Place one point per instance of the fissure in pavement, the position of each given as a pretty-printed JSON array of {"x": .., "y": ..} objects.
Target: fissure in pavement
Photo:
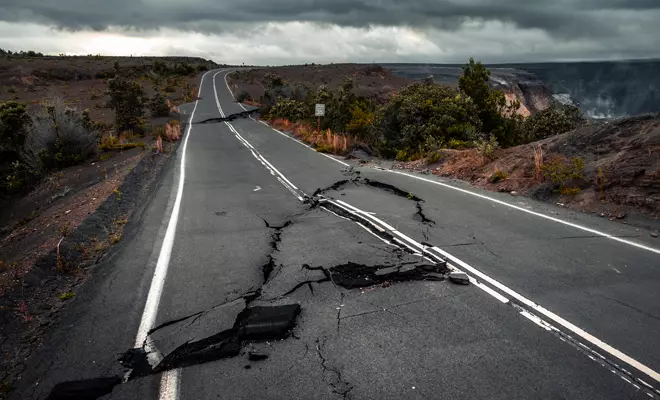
[
  {"x": 418, "y": 216},
  {"x": 270, "y": 322},
  {"x": 230, "y": 117}
]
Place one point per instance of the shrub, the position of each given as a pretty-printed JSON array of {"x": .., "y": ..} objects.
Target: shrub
[
  {"x": 14, "y": 121},
  {"x": 361, "y": 122},
  {"x": 433, "y": 157},
  {"x": 11, "y": 89},
  {"x": 487, "y": 147},
  {"x": 560, "y": 170},
  {"x": 421, "y": 117},
  {"x": 498, "y": 176},
  {"x": 158, "y": 105},
  {"x": 552, "y": 121},
  {"x": 127, "y": 100},
  {"x": 242, "y": 96},
  {"x": 290, "y": 109},
  {"x": 59, "y": 137}
]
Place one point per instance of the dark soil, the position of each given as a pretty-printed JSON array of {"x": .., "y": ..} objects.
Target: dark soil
[
  {"x": 34, "y": 300},
  {"x": 371, "y": 81},
  {"x": 81, "y": 81}
]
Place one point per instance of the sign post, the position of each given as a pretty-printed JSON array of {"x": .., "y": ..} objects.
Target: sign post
[{"x": 319, "y": 111}]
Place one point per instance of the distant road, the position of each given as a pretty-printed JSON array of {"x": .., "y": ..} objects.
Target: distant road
[{"x": 560, "y": 305}]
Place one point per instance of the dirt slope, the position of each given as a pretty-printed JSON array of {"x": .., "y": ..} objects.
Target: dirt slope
[{"x": 621, "y": 168}]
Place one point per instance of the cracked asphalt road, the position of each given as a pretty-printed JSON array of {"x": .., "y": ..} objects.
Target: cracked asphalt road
[{"x": 376, "y": 319}]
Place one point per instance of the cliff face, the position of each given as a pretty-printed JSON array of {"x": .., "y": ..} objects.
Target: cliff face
[
  {"x": 600, "y": 89},
  {"x": 604, "y": 89}
]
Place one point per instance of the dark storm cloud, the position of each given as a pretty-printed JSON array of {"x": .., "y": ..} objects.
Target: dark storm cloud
[{"x": 560, "y": 18}]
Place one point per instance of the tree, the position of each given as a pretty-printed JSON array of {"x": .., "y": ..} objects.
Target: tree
[
  {"x": 14, "y": 120},
  {"x": 127, "y": 99},
  {"x": 497, "y": 117}
]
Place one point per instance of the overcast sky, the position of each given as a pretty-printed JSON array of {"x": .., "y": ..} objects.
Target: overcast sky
[{"x": 304, "y": 31}]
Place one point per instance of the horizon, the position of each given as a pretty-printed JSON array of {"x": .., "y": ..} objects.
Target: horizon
[
  {"x": 412, "y": 62},
  {"x": 285, "y": 32}
]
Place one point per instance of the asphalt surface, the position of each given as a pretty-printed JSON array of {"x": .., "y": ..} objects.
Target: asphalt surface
[{"x": 553, "y": 311}]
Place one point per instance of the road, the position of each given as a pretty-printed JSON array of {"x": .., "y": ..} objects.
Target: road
[{"x": 263, "y": 269}]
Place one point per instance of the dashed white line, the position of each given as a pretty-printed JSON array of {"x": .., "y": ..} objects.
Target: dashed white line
[{"x": 280, "y": 132}]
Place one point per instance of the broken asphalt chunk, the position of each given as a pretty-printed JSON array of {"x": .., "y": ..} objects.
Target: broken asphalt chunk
[
  {"x": 256, "y": 356},
  {"x": 266, "y": 323},
  {"x": 221, "y": 345},
  {"x": 87, "y": 389},
  {"x": 459, "y": 277},
  {"x": 136, "y": 361}
]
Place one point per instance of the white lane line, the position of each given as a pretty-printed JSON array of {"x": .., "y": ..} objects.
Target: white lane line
[
  {"x": 580, "y": 227},
  {"x": 528, "y": 315},
  {"x": 169, "y": 384},
  {"x": 280, "y": 132},
  {"x": 160, "y": 273}
]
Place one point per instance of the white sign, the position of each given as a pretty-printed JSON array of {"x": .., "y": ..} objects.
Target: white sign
[{"x": 319, "y": 110}]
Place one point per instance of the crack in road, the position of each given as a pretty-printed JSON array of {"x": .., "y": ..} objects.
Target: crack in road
[
  {"x": 337, "y": 383},
  {"x": 418, "y": 216},
  {"x": 262, "y": 323},
  {"x": 230, "y": 117}
]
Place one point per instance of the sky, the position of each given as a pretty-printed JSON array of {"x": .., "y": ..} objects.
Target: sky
[{"x": 276, "y": 32}]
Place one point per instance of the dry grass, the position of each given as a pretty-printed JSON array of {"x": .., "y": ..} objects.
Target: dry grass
[
  {"x": 538, "y": 161},
  {"x": 173, "y": 131},
  {"x": 158, "y": 144},
  {"x": 324, "y": 141}
]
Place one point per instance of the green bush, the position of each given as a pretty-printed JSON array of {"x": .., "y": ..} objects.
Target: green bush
[
  {"x": 290, "y": 109},
  {"x": 560, "y": 170},
  {"x": 158, "y": 106},
  {"x": 422, "y": 117},
  {"x": 127, "y": 100},
  {"x": 498, "y": 176},
  {"x": 433, "y": 157},
  {"x": 487, "y": 147},
  {"x": 362, "y": 120},
  {"x": 552, "y": 121},
  {"x": 14, "y": 121},
  {"x": 242, "y": 96},
  {"x": 59, "y": 137}
]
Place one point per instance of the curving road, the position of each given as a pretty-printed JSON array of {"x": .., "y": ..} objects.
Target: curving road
[{"x": 263, "y": 269}]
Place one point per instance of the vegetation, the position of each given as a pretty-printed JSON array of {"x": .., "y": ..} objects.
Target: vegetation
[
  {"x": 54, "y": 137},
  {"x": 158, "y": 105},
  {"x": 421, "y": 117},
  {"x": 127, "y": 100},
  {"x": 561, "y": 171},
  {"x": 498, "y": 176},
  {"x": 29, "y": 53},
  {"x": 554, "y": 120}
]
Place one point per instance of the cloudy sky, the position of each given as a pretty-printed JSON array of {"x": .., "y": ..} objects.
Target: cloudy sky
[{"x": 299, "y": 31}]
